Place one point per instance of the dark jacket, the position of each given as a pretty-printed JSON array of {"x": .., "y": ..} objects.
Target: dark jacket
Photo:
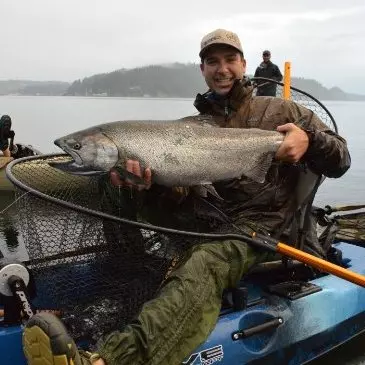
[
  {"x": 245, "y": 203},
  {"x": 269, "y": 71},
  {"x": 5, "y": 132},
  {"x": 271, "y": 202}
]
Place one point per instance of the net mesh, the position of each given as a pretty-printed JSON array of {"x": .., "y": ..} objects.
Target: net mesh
[
  {"x": 303, "y": 99},
  {"x": 350, "y": 227},
  {"x": 96, "y": 270}
]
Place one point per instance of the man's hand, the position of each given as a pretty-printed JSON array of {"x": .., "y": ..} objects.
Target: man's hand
[
  {"x": 98, "y": 362},
  {"x": 295, "y": 143},
  {"x": 7, "y": 153},
  {"x": 135, "y": 168}
]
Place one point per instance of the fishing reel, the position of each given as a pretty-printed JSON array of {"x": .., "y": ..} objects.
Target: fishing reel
[{"x": 15, "y": 288}]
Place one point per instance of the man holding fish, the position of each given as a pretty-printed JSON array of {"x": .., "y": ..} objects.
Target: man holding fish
[{"x": 186, "y": 309}]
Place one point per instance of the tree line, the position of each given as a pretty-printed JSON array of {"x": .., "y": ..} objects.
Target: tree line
[{"x": 175, "y": 80}]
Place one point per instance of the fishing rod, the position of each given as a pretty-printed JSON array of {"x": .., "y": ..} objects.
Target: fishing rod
[
  {"x": 310, "y": 260},
  {"x": 329, "y": 210}
]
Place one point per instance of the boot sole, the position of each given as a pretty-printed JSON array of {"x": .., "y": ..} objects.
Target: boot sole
[{"x": 46, "y": 342}]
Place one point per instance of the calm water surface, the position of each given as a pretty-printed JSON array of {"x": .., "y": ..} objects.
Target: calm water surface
[{"x": 40, "y": 120}]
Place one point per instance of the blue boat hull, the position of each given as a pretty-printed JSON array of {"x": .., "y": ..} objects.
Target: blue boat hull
[{"x": 311, "y": 325}]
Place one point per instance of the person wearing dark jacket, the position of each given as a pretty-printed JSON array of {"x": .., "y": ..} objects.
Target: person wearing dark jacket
[
  {"x": 5, "y": 134},
  {"x": 268, "y": 70},
  {"x": 186, "y": 308}
]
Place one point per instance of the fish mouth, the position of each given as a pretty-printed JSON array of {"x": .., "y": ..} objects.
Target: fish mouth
[{"x": 74, "y": 168}]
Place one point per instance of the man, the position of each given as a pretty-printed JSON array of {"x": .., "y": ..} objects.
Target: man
[
  {"x": 270, "y": 71},
  {"x": 187, "y": 306},
  {"x": 5, "y": 134}
]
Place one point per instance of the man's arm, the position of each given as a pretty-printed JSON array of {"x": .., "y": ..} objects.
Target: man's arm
[
  {"x": 327, "y": 152},
  {"x": 277, "y": 74}
]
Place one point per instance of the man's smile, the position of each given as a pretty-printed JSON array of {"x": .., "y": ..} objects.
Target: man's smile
[{"x": 224, "y": 81}]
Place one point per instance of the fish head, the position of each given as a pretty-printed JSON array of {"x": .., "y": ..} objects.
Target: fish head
[{"x": 92, "y": 151}]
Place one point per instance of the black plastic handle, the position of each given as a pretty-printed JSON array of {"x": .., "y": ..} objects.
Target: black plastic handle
[{"x": 276, "y": 322}]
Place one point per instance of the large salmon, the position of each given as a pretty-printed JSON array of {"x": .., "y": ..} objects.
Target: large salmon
[{"x": 185, "y": 152}]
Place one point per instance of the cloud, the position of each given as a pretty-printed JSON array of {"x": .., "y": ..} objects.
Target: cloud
[{"x": 67, "y": 40}]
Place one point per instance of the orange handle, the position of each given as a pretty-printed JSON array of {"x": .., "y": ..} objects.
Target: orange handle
[
  {"x": 287, "y": 80},
  {"x": 321, "y": 264}
]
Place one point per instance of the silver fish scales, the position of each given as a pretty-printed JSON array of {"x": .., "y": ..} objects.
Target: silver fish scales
[{"x": 186, "y": 152}]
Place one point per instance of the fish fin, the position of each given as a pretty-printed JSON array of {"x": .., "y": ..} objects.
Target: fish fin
[
  {"x": 128, "y": 176},
  {"x": 204, "y": 189}
]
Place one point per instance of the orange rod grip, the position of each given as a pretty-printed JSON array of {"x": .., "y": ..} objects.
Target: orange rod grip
[{"x": 321, "y": 264}]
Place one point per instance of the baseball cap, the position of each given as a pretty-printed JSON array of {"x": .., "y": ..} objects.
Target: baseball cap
[{"x": 220, "y": 36}]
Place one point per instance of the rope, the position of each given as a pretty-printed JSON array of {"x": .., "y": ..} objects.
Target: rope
[{"x": 11, "y": 204}]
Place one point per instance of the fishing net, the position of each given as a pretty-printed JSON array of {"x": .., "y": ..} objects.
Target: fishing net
[
  {"x": 351, "y": 228},
  {"x": 302, "y": 98},
  {"x": 92, "y": 248},
  {"x": 343, "y": 223},
  {"x": 95, "y": 252}
]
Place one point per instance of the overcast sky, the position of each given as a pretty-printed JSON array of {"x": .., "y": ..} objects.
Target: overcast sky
[{"x": 71, "y": 39}]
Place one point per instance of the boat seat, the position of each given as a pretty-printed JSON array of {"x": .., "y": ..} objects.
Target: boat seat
[{"x": 300, "y": 222}]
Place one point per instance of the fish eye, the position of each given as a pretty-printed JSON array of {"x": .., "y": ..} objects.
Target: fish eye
[{"x": 76, "y": 146}]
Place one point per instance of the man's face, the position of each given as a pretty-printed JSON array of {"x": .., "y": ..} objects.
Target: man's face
[
  {"x": 266, "y": 57},
  {"x": 222, "y": 65}
]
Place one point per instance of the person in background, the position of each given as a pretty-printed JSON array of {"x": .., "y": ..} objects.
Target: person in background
[
  {"x": 268, "y": 70},
  {"x": 5, "y": 134},
  {"x": 186, "y": 308}
]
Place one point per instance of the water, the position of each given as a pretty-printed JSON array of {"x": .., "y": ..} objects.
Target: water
[
  {"x": 40, "y": 120},
  {"x": 349, "y": 188}
]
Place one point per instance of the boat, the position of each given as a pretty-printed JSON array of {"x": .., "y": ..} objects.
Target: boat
[
  {"x": 82, "y": 267},
  {"x": 271, "y": 328},
  {"x": 277, "y": 329},
  {"x": 285, "y": 321},
  {"x": 5, "y": 184},
  {"x": 20, "y": 150}
]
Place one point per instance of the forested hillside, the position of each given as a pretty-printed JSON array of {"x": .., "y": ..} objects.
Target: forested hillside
[{"x": 176, "y": 80}]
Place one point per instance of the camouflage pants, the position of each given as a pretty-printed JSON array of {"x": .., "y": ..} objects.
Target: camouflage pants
[{"x": 186, "y": 309}]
